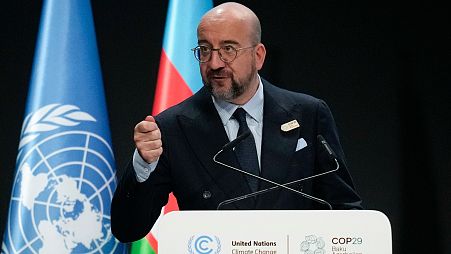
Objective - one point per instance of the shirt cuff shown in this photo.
(142, 168)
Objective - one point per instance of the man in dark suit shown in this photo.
(175, 150)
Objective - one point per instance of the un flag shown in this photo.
(65, 171)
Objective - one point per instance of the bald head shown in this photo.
(235, 12)
(229, 36)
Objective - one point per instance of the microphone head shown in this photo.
(233, 143)
(320, 138)
(326, 146)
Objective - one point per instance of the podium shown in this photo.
(275, 232)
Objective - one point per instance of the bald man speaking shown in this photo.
(278, 132)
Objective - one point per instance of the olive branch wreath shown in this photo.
(190, 244)
(51, 117)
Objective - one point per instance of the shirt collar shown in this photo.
(254, 107)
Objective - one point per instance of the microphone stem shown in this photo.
(274, 183)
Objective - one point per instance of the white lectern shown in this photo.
(275, 232)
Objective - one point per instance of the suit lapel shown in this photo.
(205, 133)
(277, 146)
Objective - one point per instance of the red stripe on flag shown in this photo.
(171, 205)
(171, 88)
(153, 242)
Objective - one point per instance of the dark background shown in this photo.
(383, 69)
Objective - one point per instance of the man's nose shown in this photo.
(215, 60)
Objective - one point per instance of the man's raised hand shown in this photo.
(147, 137)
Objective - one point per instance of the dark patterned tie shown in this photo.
(246, 151)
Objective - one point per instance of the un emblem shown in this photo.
(204, 244)
(63, 187)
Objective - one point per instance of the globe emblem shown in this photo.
(61, 195)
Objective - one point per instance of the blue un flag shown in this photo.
(65, 170)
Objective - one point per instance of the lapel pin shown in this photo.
(289, 126)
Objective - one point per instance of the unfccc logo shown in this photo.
(204, 244)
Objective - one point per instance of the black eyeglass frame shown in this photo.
(196, 52)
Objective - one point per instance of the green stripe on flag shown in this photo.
(141, 247)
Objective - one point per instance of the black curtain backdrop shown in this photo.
(383, 69)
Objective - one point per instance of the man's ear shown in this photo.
(260, 54)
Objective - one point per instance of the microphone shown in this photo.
(256, 193)
(326, 146)
(234, 142)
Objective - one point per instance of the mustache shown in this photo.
(218, 73)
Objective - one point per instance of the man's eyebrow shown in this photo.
(202, 42)
(222, 42)
(230, 42)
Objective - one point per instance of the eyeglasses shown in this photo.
(227, 54)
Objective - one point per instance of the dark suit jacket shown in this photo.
(192, 133)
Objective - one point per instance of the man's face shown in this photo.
(228, 81)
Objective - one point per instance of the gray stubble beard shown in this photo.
(236, 89)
